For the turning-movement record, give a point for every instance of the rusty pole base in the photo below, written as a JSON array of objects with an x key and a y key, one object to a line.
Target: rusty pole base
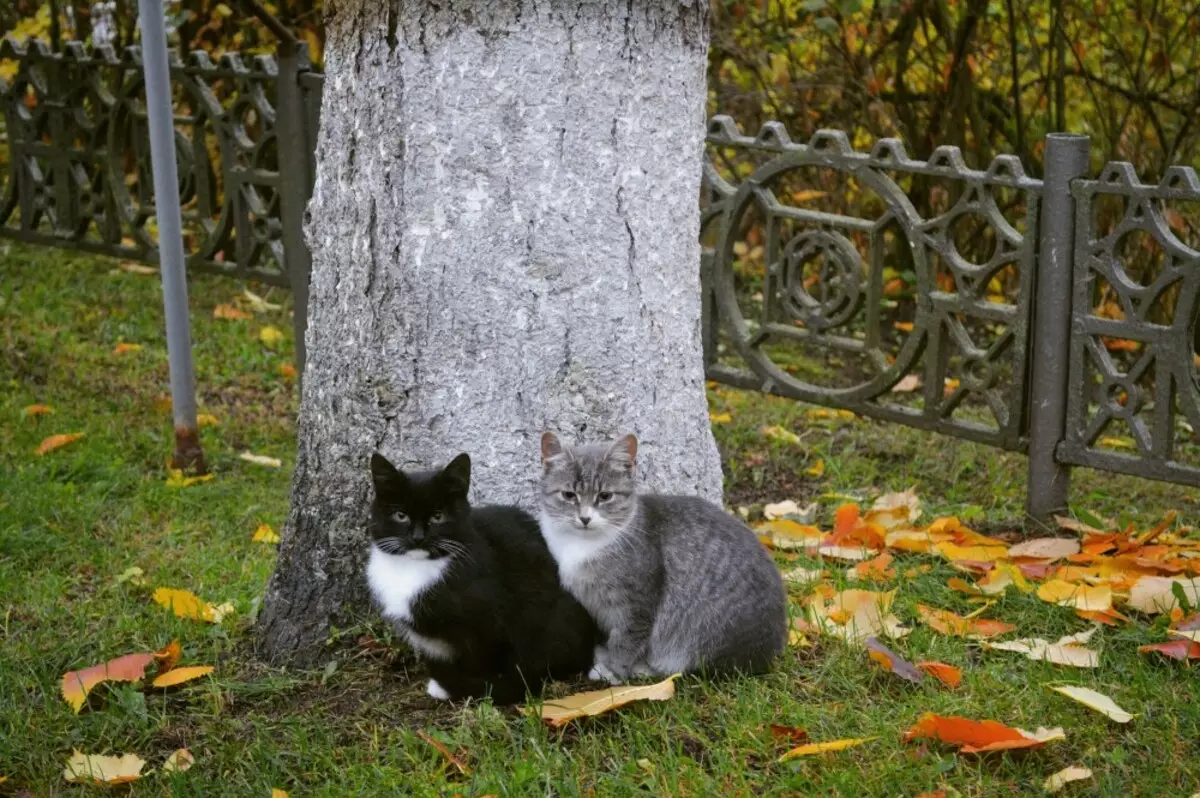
[{"x": 188, "y": 454}]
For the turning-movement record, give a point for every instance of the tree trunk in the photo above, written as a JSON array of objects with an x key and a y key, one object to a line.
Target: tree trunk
[{"x": 504, "y": 234}]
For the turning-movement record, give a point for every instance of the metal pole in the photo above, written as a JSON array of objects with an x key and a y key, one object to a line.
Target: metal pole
[
  {"x": 1049, "y": 481},
  {"x": 188, "y": 453}
]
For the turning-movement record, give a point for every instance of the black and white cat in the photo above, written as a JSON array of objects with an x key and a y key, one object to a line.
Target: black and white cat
[{"x": 475, "y": 591}]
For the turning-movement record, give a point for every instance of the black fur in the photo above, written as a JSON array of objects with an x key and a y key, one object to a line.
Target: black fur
[{"x": 500, "y": 605}]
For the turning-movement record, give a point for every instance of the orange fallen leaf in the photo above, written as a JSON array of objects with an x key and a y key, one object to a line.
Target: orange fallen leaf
[
  {"x": 903, "y": 326},
  {"x": 1109, "y": 617},
  {"x": 90, "y": 768},
  {"x": 595, "y": 702},
  {"x": 181, "y": 675},
  {"x": 230, "y": 312},
  {"x": 876, "y": 570},
  {"x": 124, "y": 348},
  {"x": 946, "y": 674},
  {"x": 955, "y": 625},
  {"x": 445, "y": 752},
  {"x": 77, "y": 684},
  {"x": 38, "y": 410},
  {"x": 287, "y": 371},
  {"x": 978, "y": 736},
  {"x": 891, "y": 661},
  {"x": 57, "y": 442},
  {"x": 785, "y": 534},
  {"x": 821, "y": 748},
  {"x": 168, "y": 656}
]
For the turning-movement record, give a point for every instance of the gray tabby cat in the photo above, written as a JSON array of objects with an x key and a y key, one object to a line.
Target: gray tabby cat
[{"x": 675, "y": 582}]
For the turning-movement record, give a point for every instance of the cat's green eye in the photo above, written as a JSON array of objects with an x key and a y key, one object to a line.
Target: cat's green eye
[
  {"x": 400, "y": 518},
  {"x": 437, "y": 518},
  {"x": 568, "y": 496},
  {"x": 604, "y": 496}
]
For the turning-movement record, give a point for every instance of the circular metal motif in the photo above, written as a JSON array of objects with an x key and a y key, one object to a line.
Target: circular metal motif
[{"x": 822, "y": 276}]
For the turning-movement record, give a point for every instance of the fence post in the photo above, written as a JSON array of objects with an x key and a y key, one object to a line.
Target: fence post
[
  {"x": 1048, "y": 481},
  {"x": 156, "y": 68},
  {"x": 294, "y": 141}
]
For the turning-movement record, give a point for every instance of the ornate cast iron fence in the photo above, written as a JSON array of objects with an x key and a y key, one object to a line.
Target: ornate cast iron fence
[{"x": 1055, "y": 317}]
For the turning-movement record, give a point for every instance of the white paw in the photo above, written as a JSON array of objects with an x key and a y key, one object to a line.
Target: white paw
[
  {"x": 601, "y": 673},
  {"x": 435, "y": 690}
]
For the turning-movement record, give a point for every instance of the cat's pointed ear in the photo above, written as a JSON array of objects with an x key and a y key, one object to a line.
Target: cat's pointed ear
[
  {"x": 385, "y": 475},
  {"x": 624, "y": 452},
  {"x": 458, "y": 473},
  {"x": 551, "y": 448}
]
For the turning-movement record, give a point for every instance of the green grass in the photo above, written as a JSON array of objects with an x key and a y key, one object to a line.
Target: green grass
[{"x": 72, "y": 521}]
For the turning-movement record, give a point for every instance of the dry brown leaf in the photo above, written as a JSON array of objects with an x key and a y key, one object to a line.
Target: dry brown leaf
[
  {"x": 57, "y": 442},
  {"x": 445, "y": 752},
  {"x": 596, "y": 702},
  {"x": 94, "y": 769}
]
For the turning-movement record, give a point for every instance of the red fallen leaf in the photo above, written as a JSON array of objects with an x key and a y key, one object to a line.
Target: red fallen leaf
[
  {"x": 1036, "y": 570},
  {"x": 973, "y": 566},
  {"x": 1182, "y": 649},
  {"x": 1190, "y": 624},
  {"x": 978, "y": 736},
  {"x": 946, "y": 674},
  {"x": 77, "y": 684},
  {"x": 791, "y": 734},
  {"x": 892, "y": 661}
]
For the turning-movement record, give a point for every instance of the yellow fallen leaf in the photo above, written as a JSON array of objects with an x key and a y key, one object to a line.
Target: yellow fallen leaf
[
  {"x": 90, "y": 768},
  {"x": 1097, "y": 701},
  {"x": 1155, "y": 594},
  {"x": 270, "y": 335},
  {"x": 57, "y": 442},
  {"x": 1095, "y": 598},
  {"x": 1045, "y": 548},
  {"x": 133, "y": 575},
  {"x": 277, "y": 793},
  {"x": 801, "y": 575},
  {"x": 720, "y": 418},
  {"x": 260, "y": 459},
  {"x": 180, "y": 675},
  {"x": 176, "y": 479},
  {"x": 1065, "y": 776},
  {"x": 953, "y": 551},
  {"x": 778, "y": 433},
  {"x": 855, "y": 615},
  {"x": 207, "y": 420},
  {"x": 186, "y": 604},
  {"x": 178, "y": 762},
  {"x": 124, "y": 348},
  {"x": 817, "y": 469},
  {"x": 136, "y": 268},
  {"x": 776, "y": 510},
  {"x": 595, "y": 702},
  {"x": 264, "y": 534},
  {"x": 38, "y": 410},
  {"x": 259, "y": 304},
  {"x": 786, "y": 534},
  {"x": 821, "y": 748}
]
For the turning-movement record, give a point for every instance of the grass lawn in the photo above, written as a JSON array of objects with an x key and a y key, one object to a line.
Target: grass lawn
[{"x": 73, "y": 520}]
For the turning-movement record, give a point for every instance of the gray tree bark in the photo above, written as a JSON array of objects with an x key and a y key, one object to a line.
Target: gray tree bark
[{"x": 504, "y": 235}]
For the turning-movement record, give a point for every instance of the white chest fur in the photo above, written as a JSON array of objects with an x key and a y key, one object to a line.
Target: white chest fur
[
  {"x": 573, "y": 548},
  {"x": 396, "y": 582}
]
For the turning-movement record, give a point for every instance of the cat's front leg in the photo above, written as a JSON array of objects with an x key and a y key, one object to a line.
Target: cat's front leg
[{"x": 621, "y": 658}]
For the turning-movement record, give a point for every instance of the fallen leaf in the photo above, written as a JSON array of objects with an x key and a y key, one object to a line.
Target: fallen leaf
[
  {"x": 790, "y": 733},
  {"x": 782, "y": 509},
  {"x": 168, "y": 656},
  {"x": 777, "y": 433},
  {"x": 261, "y": 459},
  {"x": 1069, "y": 650},
  {"x": 1097, "y": 701},
  {"x": 818, "y": 413},
  {"x": 1044, "y": 548},
  {"x": 445, "y": 752},
  {"x": 955, "y": 625},
  {"x": 270, "y": 336},
  {"x": 207, "y": 420},
  {"x": 188, "y": 605},
  {"x": 230, "y": 313},
  {"x": 176, "y": 479},
  {"x": 595, "y": 702},
  {"x": 264, "y": 534},
  {"x": 181, "y": 675},
  {"x": 817, "y": 469},
  {"x": 785, "y": 534},
  {"x": 1065, "y": 776},
  {"x": 908, "y": 383},
  {"x": 978, "y": 736},
  {"x": 1109, "y": 617},
  {"x": 133, "y": 575},
  {"x": 38, "y": 410},
  {"x": 1181, "y": 649},
  {"x": 77, "y": 684},
  {"x": 136, "y": 268},
  {"x": 278, "y": 793},
  {"x": 259, "y": 304},
  {"x": 802, "y": 576},
  {"x": 953, "y": 551},
  {"x": 124, "y": 348},
  {"x": 946, "y": 674},
  {"x": 876, "y": 570},
  {"x": 890, "y": 660},
  {"x": 57, "y": 442},
  {"x": 1156, "y": 594},
  {"x": 855, "y": 615},
  {"x": 287, "y": 371},
  {"x": 179, "y": 762},
  {"x": 904, "y": 506},
  {"x": 90, "y": 768},
  {"x": 1096, "y": 598},
  {"x": 821, "y": 748}
]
